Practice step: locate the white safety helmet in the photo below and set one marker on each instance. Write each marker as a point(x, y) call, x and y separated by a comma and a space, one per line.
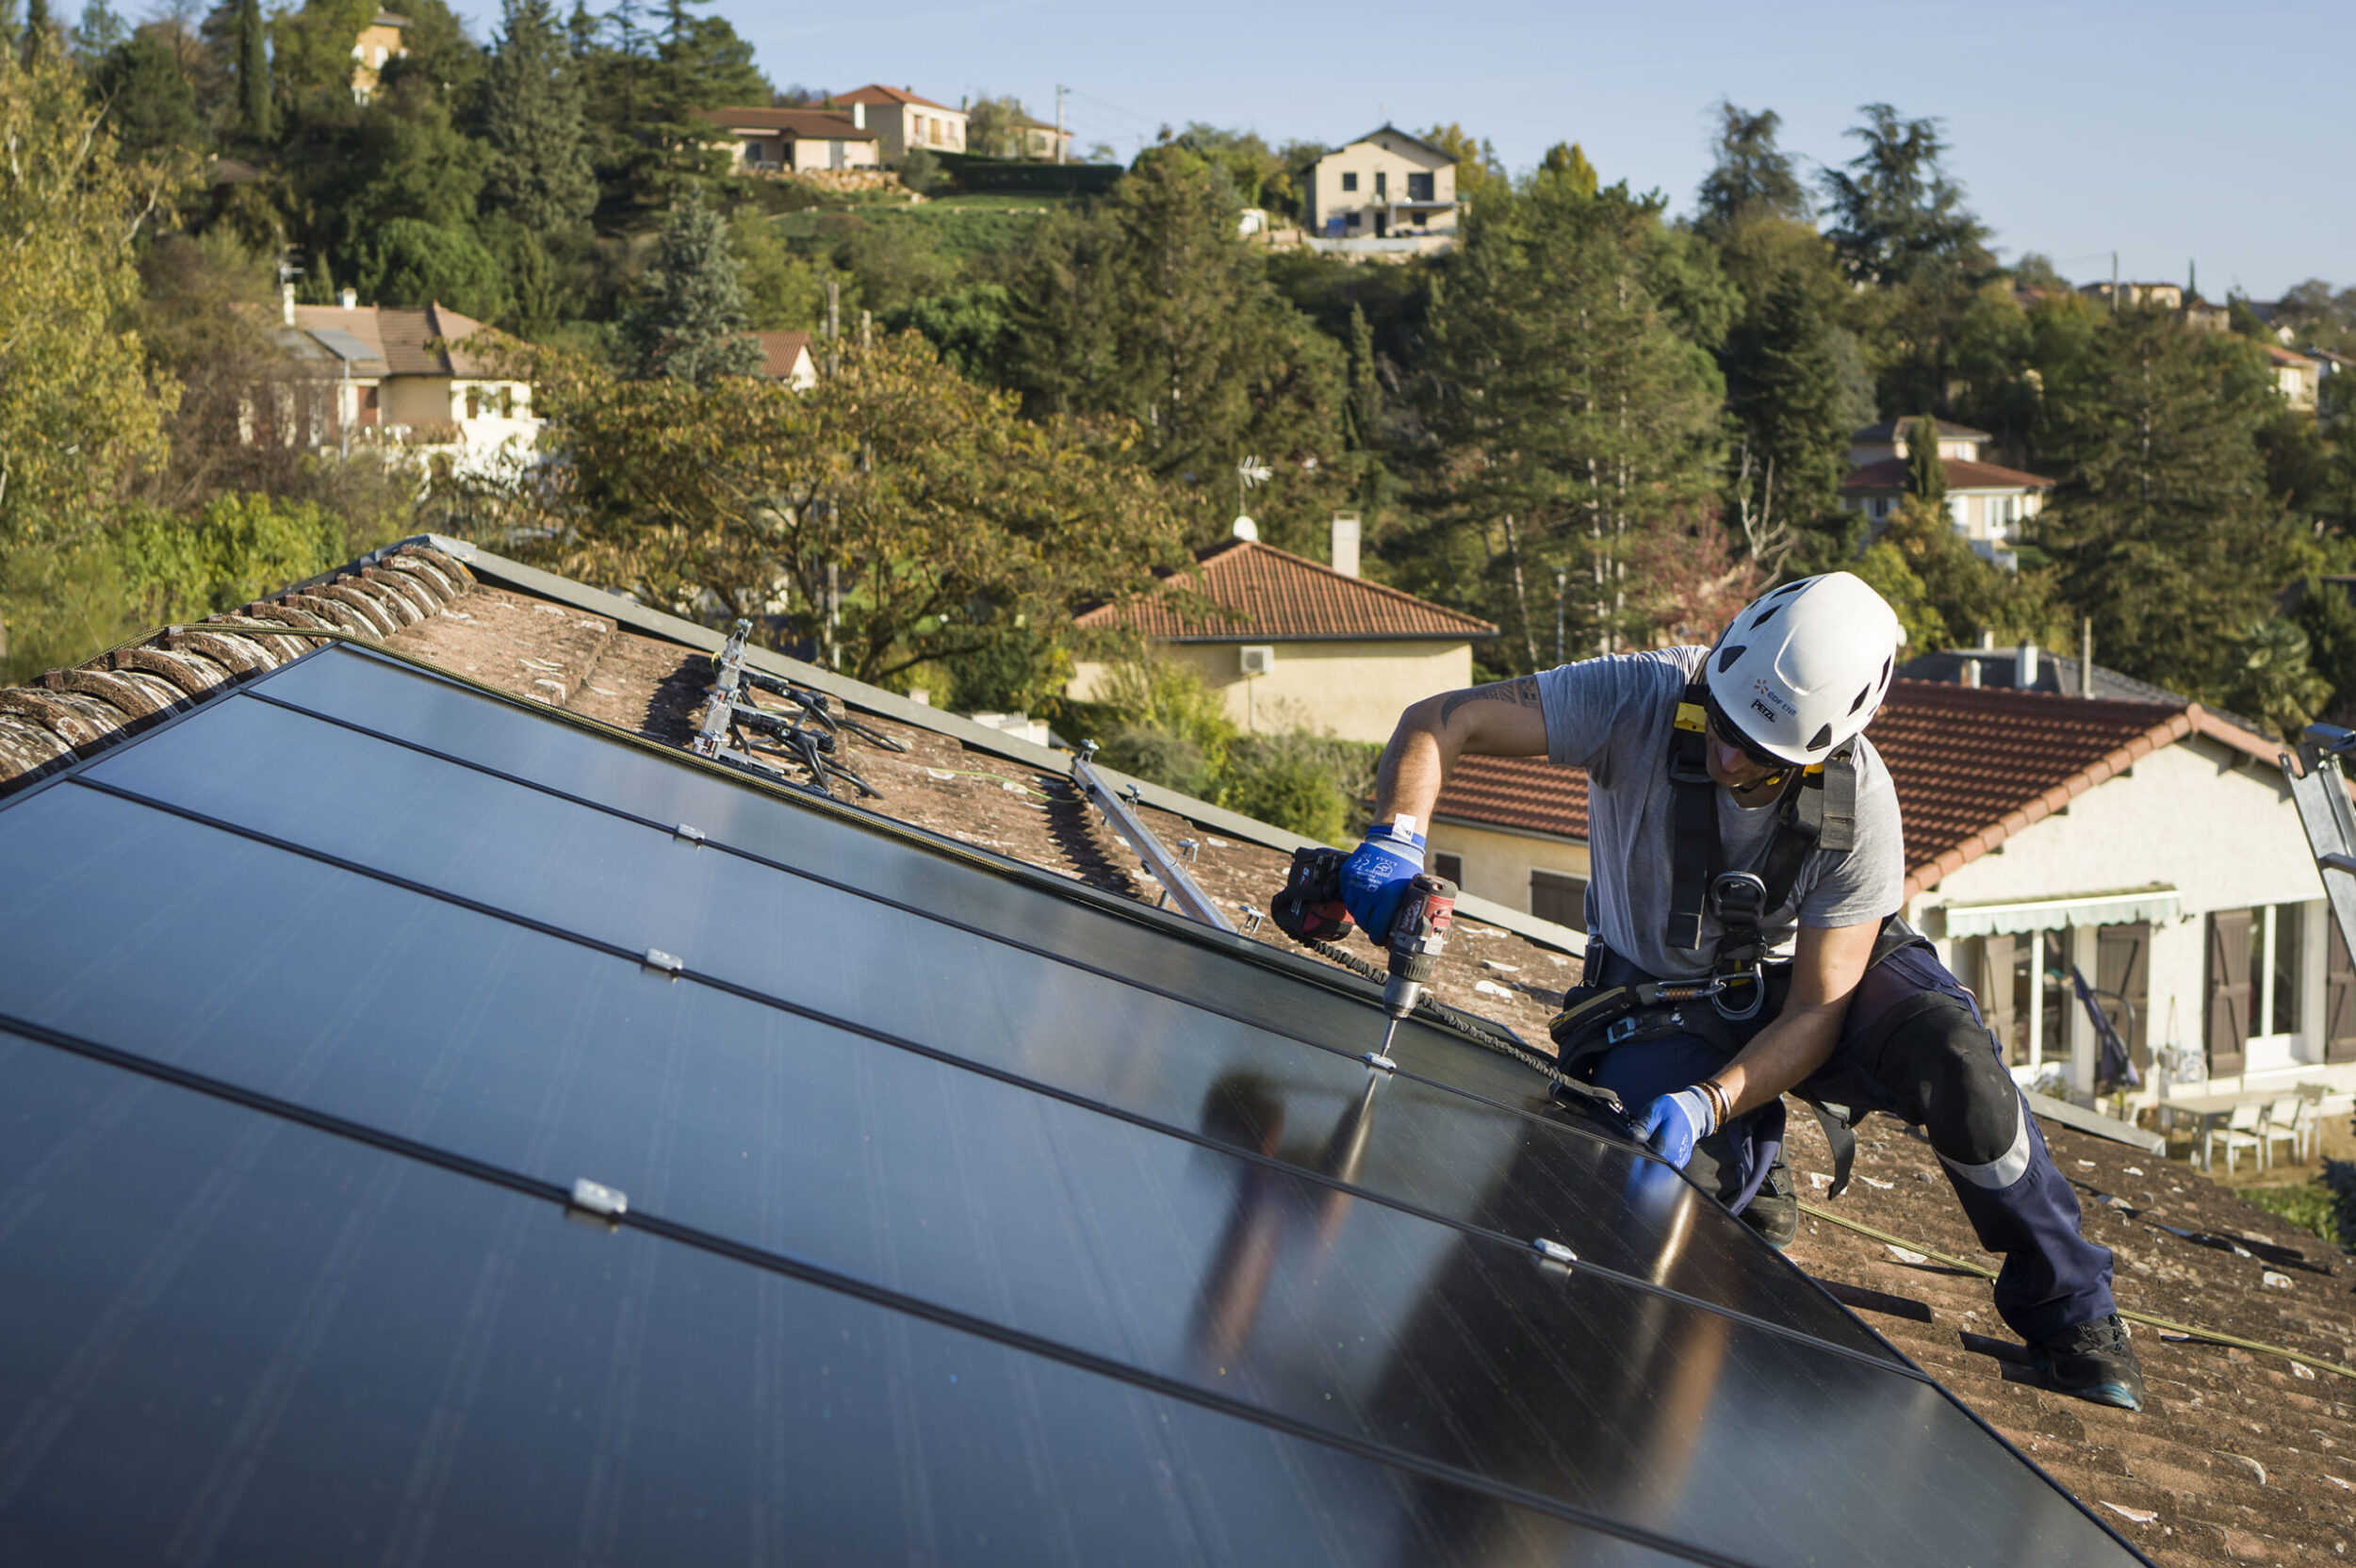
point(1802, 668)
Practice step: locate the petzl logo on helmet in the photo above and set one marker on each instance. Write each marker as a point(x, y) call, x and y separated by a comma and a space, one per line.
point(1762, 693)
point(1764, 712)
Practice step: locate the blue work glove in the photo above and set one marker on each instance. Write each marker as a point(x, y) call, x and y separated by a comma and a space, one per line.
point(1671, 1125)
point(1375, 876)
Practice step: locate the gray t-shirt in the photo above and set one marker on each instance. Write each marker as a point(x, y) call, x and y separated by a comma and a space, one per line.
point(1612, 717)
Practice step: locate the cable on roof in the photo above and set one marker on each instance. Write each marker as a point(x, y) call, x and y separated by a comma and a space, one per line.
point(2190, 1331)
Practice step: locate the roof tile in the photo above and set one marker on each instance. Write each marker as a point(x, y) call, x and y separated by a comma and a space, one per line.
point(1890, 474)
point(1277, 596)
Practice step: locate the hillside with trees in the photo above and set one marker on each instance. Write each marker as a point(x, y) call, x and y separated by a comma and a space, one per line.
point(1595, 422)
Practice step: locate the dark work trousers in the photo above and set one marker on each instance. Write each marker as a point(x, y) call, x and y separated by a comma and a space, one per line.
point(1913, 1045)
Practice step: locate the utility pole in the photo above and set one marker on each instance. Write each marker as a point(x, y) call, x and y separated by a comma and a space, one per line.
point(834, 325)
point(1059, 121)
point(2114, 283)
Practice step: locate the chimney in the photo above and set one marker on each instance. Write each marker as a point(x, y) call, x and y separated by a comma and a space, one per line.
point(1988, 637)
point(1971, 674)
point(286, 303)
point(859, 115)
point(2024, 668)
point(1346, 542)
point(352, 299)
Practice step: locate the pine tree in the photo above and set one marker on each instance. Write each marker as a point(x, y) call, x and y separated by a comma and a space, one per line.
point(256, 113)
point(1783, 387)
point(1752, 177)
point(689, 323)
point(2164, 531)
point(539, 173)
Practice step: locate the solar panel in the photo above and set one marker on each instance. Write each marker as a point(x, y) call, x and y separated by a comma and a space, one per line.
point(969, 1214)
point(344, 345)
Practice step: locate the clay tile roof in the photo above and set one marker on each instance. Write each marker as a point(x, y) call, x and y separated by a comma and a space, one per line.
point(780, 351)
point(875, 93)
point(1278, 597)
point(1890, 474)
point(1528, 793)
point(2280, 355)
point(1972, 767)
point(809, 124)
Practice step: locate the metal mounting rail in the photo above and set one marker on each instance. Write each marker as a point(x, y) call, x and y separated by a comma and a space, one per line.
point(1159, 863)
point(2320, 789)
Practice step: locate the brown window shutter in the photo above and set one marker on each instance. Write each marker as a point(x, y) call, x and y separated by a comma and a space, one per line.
point(2228, 1024)
point(2339, 999)
point(2121, 964)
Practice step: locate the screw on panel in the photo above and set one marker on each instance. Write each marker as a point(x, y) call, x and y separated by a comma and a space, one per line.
point(690, 836)
point(662, 962)
point(1554, 1251)
point(596, 1198)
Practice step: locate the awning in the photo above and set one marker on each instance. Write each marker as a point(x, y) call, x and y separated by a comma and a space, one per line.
point(2155, 903)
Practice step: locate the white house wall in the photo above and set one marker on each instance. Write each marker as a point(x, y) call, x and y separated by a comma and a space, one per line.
point(1496, 864)
point(1353, 689)
point(2211, 823)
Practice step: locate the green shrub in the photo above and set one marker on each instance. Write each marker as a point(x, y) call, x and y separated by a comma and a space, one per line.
point(1158, 757)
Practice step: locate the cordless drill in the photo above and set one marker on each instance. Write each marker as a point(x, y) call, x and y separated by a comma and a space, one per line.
point(1310, 909)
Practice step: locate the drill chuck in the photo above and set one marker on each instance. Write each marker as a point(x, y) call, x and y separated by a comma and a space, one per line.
point(1418, 932)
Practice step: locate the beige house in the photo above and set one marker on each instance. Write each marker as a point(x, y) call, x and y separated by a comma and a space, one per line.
point(2167, 296)
point(1987, 502)
point(2298, 377)
point(791, 141)
point(2153, 845)
point(1385, 193)
point(379, 41)
point(1038, 139)
point(1300, 643)
point(905, 121)
point(380, 374)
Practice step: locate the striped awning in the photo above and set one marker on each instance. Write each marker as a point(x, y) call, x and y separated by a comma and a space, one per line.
point(2123, 908)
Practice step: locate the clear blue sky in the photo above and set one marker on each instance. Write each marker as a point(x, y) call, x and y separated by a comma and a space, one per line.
point(2166, 131)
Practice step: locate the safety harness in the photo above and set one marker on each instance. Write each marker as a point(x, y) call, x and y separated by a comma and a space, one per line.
point(1816, 810)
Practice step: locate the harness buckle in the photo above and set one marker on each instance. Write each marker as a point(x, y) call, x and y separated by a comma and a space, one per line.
point(1739, 900)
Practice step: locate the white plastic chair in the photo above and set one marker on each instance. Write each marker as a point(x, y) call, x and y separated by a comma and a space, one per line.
point(2239, 1132)
point(2284, 1121)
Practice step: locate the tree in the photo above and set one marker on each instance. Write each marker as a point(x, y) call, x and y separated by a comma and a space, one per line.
point(896, 511)
point(2164, 531)
point(1752, 177)
point(150, 103)
point(1783, 391)
point(257, 115)
point(1894, 209)
point(2327, 617)
point(1564, 161)
point(1480, 174)
point(1926, 473)
point(1150, 309)
point(689, 321)
point(310, 63)
point(538, 173)
point(99, 33)
point(1570, 420)
point(993, 126)
point(406, 261)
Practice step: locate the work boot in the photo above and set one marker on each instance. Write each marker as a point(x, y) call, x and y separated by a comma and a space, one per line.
point(2093, 1361)
point(1773, 1212)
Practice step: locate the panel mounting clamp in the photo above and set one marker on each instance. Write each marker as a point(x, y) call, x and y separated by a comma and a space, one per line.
point(663, 963)
point(1554, 1251)
point(692, 837)
point(597, 1199)
point(1379, 1063)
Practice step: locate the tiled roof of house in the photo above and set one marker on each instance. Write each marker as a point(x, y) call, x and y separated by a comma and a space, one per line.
point(2237, 1457)
point(875, 93)
point(2280, 355)
point(809, 124)
point(1889, 476)
point(402, 337)
point(1275, 595)
point(1890, 430)
point(1972, 767)
point(1386, 128)
point(780, 352)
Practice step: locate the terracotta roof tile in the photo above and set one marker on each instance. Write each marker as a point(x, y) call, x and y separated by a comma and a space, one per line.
point(875, 93)
point(1889, 474)
point(1280, 597)
point(780, 351)
point(813, 124)
point(1972, 767)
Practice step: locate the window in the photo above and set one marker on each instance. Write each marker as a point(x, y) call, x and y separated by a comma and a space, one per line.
point(1881, 509)
point(1382, 184)
point(474, 402)
point(1419, 187)
point(1354, 220)
point(1349, 180)
point(1449, 866)
point(2274, 969)
point(1559, 898)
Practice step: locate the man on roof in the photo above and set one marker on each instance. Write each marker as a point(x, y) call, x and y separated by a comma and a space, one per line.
point(1747, 872)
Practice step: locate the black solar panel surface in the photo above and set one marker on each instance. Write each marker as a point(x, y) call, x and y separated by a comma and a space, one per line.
point(325, 991)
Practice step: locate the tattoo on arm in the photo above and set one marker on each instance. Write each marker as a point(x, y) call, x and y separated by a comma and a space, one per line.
point(1522, 691)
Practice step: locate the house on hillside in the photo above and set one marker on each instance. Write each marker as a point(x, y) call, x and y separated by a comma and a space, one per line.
point(378, 373)
point(2165, 296)
point(906, 121)
point(2298, 377)
point(1987, 502)
point(1037, 138)
point(785, 356)
point(791, 140)
point(379, 41)
point(1299, 642)
point(2152, 844)
point(1386, 193)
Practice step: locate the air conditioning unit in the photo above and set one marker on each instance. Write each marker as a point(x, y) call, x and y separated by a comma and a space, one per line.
point(1258, 658)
